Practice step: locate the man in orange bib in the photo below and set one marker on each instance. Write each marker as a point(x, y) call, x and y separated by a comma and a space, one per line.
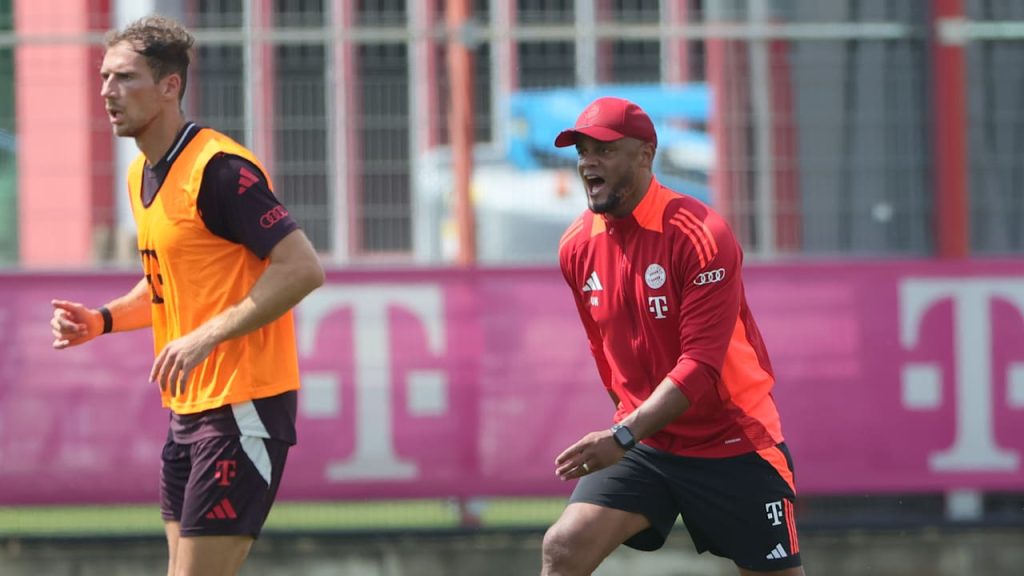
point(223, 266)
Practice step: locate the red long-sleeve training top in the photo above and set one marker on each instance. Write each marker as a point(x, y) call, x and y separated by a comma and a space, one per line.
point(660, 293)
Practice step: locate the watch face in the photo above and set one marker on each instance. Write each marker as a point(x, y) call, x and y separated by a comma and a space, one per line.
point(624, 437)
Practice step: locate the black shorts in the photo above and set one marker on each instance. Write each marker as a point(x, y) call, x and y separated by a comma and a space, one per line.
point(222, 485)
point(739, 507)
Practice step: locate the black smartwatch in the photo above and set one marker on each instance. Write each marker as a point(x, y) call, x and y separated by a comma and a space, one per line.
point(624, 437)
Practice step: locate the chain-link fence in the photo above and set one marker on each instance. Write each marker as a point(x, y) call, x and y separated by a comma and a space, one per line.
point(817, 138)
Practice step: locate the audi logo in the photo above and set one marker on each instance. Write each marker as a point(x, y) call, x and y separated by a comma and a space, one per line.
point(273, 217)
point(710, 277)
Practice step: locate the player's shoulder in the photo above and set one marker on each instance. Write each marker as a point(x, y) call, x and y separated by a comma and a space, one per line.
point(577, 232)
point(684, 211)
point(218, 136)
point(696, 224)
point(231, 166)
point(217, 142)
point(227, 175)
point(683, 206)
point(231, 160)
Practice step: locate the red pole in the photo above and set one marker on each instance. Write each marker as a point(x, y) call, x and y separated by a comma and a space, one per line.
point(263, 98)
point(427, 98)
point(952, 209)
point(101, 150)
point(788, 222)
point(727, 74)
point(460, 126)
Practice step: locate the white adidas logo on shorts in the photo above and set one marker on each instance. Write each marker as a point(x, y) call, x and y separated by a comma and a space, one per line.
point(777, 553)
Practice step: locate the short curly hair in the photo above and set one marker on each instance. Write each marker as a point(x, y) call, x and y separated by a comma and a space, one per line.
point(164, 42)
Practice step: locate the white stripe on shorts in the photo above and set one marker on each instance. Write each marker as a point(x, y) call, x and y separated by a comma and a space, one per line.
point(253, 431)
point(248, 420)
point(256, 450)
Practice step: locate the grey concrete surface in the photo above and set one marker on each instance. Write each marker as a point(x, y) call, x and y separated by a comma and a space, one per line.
point(988, 552)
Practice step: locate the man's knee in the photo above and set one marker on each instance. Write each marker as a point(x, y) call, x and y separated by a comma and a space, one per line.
point(562, 554)
point(556, 543)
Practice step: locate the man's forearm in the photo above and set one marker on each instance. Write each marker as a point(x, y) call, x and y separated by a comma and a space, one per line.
point(133, 310)
point(663, 406)
point(281, 286)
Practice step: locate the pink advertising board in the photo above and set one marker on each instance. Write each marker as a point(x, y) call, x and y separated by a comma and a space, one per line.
point(893, 376)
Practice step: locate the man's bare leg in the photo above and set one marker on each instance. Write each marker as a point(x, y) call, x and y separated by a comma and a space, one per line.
point(204, 555)
point(584, 536)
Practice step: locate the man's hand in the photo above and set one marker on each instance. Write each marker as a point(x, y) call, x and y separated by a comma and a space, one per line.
point(176, 361)
point(74, 324)
point(593, 452)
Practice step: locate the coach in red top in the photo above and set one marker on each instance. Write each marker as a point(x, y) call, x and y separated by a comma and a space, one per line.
point(656, 276)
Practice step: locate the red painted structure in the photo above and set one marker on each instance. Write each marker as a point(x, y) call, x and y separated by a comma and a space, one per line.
point(949, 116)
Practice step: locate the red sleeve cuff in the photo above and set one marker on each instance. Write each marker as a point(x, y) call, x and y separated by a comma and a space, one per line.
point(693, 378)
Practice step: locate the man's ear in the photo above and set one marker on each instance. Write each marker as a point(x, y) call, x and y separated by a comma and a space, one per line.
point(647, 151)
point(171, 86)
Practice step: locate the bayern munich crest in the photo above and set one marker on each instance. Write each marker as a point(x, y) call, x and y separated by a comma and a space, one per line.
point(655, 276)
point(589, 115)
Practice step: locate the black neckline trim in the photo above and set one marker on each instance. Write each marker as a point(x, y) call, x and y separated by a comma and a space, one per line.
point(163, 166)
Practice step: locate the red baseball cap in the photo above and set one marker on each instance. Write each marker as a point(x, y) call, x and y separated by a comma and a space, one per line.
point(608, 119)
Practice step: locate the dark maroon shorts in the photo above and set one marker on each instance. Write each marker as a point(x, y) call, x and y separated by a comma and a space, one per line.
point(222, 485)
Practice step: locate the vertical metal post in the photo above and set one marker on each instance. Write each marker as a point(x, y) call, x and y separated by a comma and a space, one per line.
point(949, 116)
point(952, 205)
point(424, 118)
point(250, 68)
point(258, 82)
point(761, 105)
point(586, 43)
point(461, 126)
point(503, 62)
point(340, 104)
point(785, 175)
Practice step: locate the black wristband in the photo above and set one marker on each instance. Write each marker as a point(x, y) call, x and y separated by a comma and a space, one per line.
point(108, 320)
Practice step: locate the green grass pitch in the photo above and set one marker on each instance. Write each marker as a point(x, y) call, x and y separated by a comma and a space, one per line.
point(306, 517)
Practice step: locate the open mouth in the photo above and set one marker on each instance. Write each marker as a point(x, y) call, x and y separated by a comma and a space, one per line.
point(594, 184)
point(114, 115)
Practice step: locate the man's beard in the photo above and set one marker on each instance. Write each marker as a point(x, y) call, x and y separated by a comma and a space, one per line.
point(609, 204)
point(134, 129)
point(615, 198)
